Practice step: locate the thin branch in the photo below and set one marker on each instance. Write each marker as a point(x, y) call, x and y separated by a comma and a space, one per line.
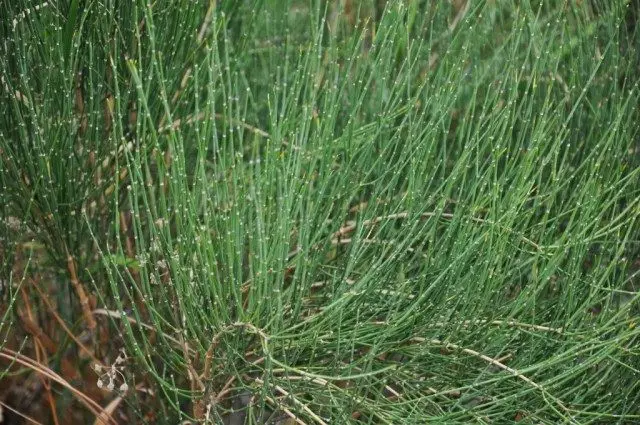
point(194, 379)
point(117, 315)
point(80, 292)
point(199, 406)
point(493, 362)
point(452, 26)
point(190, 119)
point(208, 359)
point(351, 226)
point(35, 330)
point(461, 12)
point(64, 326)
point(207, 21)
point(511, 323)
point(346, 241)
point(300, 404)
point(107, 411)
point(285, 410)
point(22, 415)
point(129, 245)
point(43, 344)
point(89, 403)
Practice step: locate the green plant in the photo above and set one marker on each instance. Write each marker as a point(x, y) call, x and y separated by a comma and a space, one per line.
point(428, 216)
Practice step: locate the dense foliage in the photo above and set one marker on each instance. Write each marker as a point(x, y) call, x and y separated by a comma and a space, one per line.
point(323, 212)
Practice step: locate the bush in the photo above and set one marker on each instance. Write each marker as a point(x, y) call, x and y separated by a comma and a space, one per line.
point(318, 212)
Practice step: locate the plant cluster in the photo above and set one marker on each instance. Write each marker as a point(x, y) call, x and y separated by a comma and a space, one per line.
point(321, 212)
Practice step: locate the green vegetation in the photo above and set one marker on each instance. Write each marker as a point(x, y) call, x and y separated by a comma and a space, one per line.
point(321, 212)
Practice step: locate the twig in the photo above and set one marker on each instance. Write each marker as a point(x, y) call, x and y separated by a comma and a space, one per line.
point(106, 412)
point(65, 327)
point(80, 292)
point(216, 339)
point(351, 226)
point(22, 415)
point(393, 392)
point(52, 401)
point(202, 115)
point(194, 379)
point(207, 21)
point(226, 388)
point(492, 361)
point(199, 407)
point(14, 356)
point(511, 323)
point(36, 331)
point(346, 241)
point(117, 315)
point(505, 357)
point(320, 381)
point(285, 410)
point(128, 242)
point(300, 404)
point(43, 344)
point(461, 12)
point(79, 104)
point(183, 84)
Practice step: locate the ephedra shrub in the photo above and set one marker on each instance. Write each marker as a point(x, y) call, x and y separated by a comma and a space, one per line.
point(340, 213)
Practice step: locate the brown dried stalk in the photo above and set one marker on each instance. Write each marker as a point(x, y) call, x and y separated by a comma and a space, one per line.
point(42, 344)
point(14, 356)
point(199, 408)
point(79, 104)
point(82, 295)
point(64, 326)
point(22, 415)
